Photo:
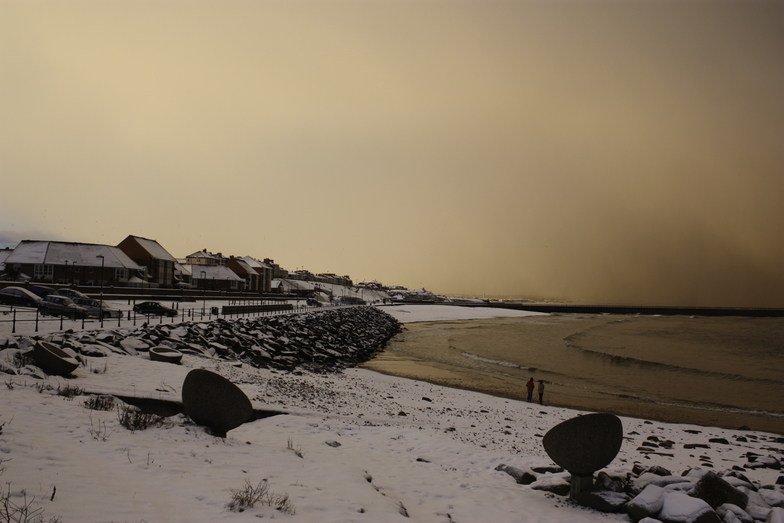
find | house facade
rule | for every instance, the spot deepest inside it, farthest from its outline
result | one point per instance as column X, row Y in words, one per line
column 158, row 263
column 74, row 263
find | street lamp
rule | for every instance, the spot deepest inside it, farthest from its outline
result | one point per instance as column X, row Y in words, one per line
column 101, row 302
column 203, row 292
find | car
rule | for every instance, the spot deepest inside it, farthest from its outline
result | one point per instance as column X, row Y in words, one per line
column 19, row 296
column 153, row 308
column 71, row 293
column 96, row 308
column 41, row 291
column 55, row 305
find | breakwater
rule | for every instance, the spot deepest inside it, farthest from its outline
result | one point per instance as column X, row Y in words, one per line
column 319, row 341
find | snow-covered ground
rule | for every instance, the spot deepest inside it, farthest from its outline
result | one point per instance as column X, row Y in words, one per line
column 355, row 446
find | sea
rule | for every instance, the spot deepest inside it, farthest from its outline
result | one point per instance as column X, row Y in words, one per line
column 725, row 371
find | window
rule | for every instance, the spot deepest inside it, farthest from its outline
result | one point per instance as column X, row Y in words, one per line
column 43, row 272
column 119, row 274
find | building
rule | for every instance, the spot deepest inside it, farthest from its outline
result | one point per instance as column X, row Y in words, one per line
column 249, row 274
column 64, row 263
column 204, row 257
column 265, row 272
column 157, row 262
column 214, row 277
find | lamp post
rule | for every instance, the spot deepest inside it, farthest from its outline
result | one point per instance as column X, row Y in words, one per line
column 203, row 292
column 101, row 302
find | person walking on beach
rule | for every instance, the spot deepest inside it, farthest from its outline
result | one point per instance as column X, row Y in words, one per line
column 530, row 387
column 541, row 392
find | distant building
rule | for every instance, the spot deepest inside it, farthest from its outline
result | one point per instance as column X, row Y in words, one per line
column 249, row 275
column 74, row 263
column 156, row 260
column 214, row 277
column 264, row 270
column 204, row 257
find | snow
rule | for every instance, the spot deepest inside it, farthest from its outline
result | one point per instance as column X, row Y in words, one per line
column 354, row 446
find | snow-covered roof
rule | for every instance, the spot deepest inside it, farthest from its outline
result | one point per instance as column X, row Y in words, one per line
column 62, row 253
column 154, row 248
column 245, row 266
column 213, row 272
column 256, row 264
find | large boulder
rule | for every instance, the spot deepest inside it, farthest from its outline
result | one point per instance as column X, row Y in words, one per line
column 585, row 444
column 211, row 400
column 680, row 508
column 647, row 503
column 716, row 492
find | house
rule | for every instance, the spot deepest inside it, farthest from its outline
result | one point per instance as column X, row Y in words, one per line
column 214, row 277
column 249, row 274
column 204, row 257
column 72, row 263
column 264, row 270
column 157, row 261
column 277, row 270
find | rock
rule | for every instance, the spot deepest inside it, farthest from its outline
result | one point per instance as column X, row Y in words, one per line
column 716, row 491
column 776, row 516
column 210, row 399
column 555, row 484
column 680, row 508
column 522, row 477
column 333, row 443
column 603, row 500
column 647, row 503
column 584, row 444
column 740, row 515
column 771, row 497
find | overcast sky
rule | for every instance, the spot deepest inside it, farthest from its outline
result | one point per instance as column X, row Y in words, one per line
column 597, row 151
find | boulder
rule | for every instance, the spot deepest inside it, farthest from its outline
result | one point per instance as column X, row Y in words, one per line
column 680, row 508
column 603, row 500
column 647, row 503
column 522, row 477
column 210, row 399
column 584, row 444
column 776, row 515
column 738, row 513
column 716, row 491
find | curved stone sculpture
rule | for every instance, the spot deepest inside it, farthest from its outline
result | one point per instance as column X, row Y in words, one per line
column 584, row 444
column 54, row 360
column 211, row 400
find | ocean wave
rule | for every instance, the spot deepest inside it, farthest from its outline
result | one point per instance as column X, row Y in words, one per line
column 615, row 359
column 496, row 362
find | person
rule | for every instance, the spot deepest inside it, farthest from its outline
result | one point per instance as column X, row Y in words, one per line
column 530, row 387
column 541, row 392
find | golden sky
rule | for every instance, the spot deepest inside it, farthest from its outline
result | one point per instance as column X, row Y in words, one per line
column 596, row 151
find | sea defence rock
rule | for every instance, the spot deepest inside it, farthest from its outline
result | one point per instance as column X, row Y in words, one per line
column 319, row 341
column 211, row 400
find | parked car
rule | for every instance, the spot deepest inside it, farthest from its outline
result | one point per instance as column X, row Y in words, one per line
column 97, row 307
column 71, row 293
column 55, row 305
column 19, row 296
column 154, row 308
column 42, row 291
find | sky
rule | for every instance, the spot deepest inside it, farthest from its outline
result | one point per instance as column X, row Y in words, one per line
column 593, row 151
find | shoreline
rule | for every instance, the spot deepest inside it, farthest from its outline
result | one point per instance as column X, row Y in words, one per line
column 675, row 414
column 442, row 343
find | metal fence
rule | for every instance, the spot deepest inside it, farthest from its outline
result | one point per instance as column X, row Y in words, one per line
column 26, row 320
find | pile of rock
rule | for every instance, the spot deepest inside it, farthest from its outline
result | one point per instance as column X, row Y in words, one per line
column 654, row 494
column 318, row 341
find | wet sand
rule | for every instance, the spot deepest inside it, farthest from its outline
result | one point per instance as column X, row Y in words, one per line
column 722, row 372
